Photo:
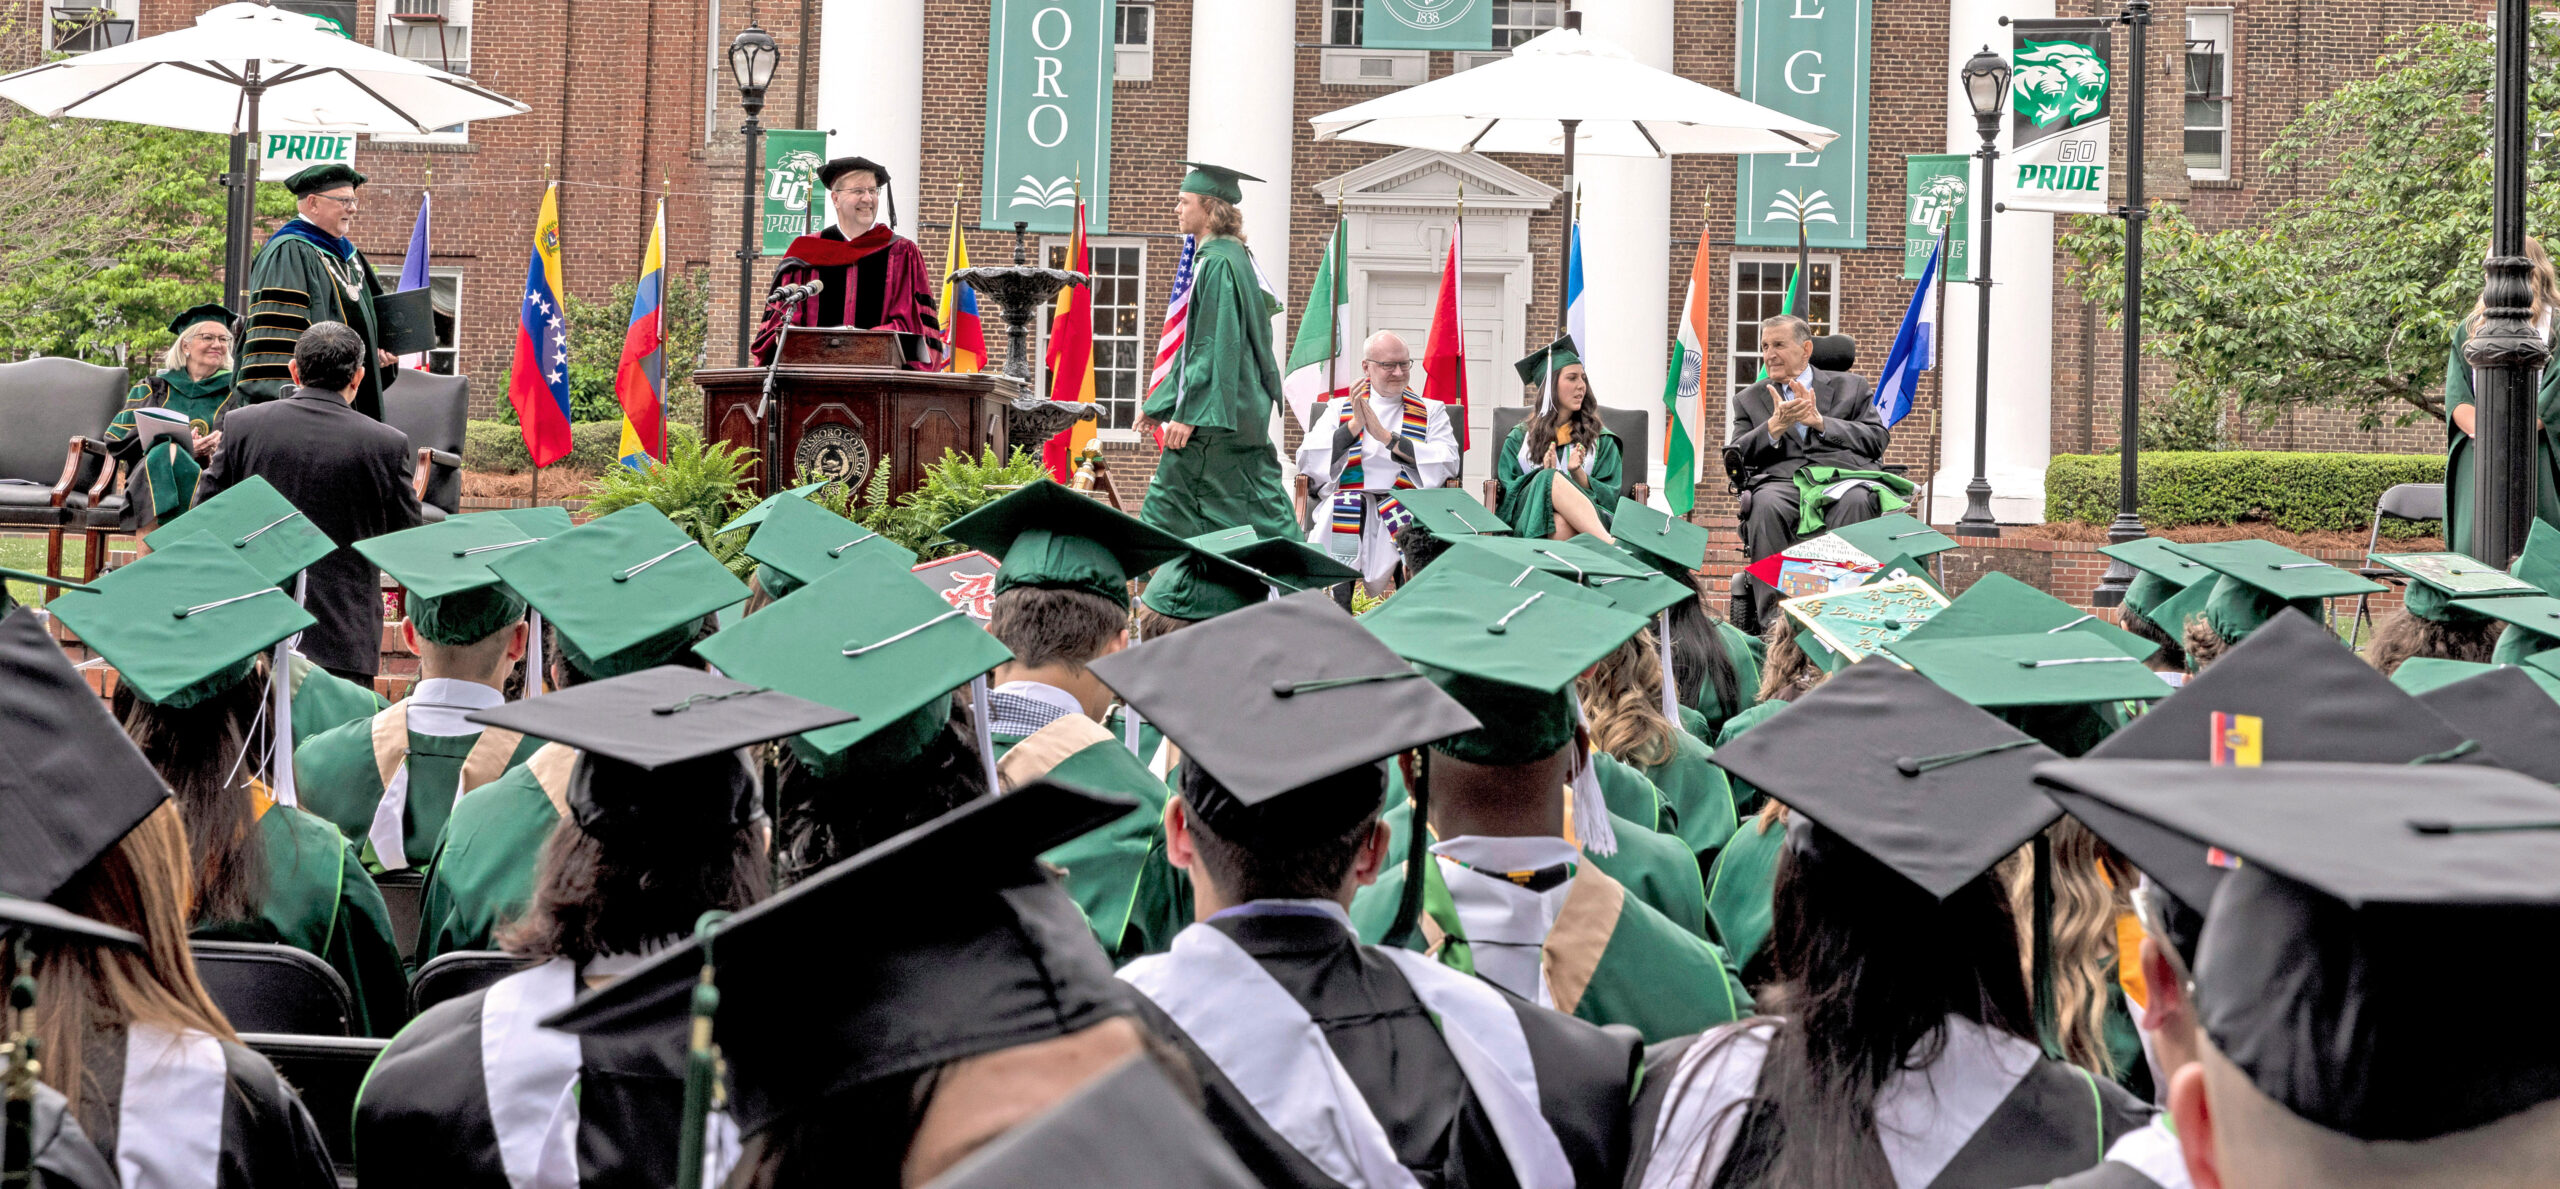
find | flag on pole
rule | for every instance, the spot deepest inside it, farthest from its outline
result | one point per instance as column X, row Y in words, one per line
column 1915, row 346
column 1071, row 359
column 413, row 268
column 966, row 335
column 1177, row 315
column 640, row 381
column 1321, row 364
column 538, row 380
column 1577, row 312
column 1680, row 390
column 1444, row 356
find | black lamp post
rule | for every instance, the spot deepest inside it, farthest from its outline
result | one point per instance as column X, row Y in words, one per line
column 2505, row 350
column 1986, row 88
column 2113, row 584
column 752, row 57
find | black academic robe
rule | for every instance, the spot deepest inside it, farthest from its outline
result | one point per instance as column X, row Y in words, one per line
column 350, row 475
column 267, row 1137
column 1386, row 1041
column 65, row 1159
column 424, row 1118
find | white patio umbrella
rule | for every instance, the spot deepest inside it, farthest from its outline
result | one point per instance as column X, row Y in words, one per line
column 246, row 66
column 1564, row 92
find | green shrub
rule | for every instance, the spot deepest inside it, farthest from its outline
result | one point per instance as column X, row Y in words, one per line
column 699, row 488
column 954, row 487
column 2300, row 493
column 497, row 447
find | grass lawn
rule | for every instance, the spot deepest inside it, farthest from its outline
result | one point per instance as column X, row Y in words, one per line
column 27, row 554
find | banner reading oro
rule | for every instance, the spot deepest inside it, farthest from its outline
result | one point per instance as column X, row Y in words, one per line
column 1048, row 114
column 2059, row 86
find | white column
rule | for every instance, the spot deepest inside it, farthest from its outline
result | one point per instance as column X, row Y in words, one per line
column 2020, row 440
column 1626, row 247
column 870, row 66
column 1243, row 113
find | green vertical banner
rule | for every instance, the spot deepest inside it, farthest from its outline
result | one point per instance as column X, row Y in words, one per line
column 1807, row 58
column 2058, row 124
column 1048, row 114
column 1937, row 196
column 793, row 207
column 1426, row 24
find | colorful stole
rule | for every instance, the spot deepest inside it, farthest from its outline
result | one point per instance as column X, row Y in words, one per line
column 1350, row 483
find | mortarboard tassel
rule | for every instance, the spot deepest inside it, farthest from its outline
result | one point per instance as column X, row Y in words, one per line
column 1662, row 648
column 1590, row 806
column 1417, row 857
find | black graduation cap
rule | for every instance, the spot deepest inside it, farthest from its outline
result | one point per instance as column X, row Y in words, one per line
column 71, row 783
column 2507, row 712
column 1915, row 776
column 1278, row 697
column 656, row 747
column 1128, row 1127
column 966, row 945
column 2359, row 894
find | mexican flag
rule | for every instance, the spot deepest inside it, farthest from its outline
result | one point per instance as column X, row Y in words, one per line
column 1681, row 387
column 1322, row 365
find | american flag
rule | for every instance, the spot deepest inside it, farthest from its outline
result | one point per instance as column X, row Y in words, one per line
column 1177, row 316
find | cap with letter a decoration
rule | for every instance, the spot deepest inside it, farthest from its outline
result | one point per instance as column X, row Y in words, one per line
column 1049, row 536
column 625, row 591
column 72, row 785
column 184, row 622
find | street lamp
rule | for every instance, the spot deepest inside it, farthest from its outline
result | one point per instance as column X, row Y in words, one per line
column 2505, row 350
column 2118, row 579
column 1986, row 89
column 752, row 57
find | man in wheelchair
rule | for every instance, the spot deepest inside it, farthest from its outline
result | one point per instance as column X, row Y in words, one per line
column 1800, row 417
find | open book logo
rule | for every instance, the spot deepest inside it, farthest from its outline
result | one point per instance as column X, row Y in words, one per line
column 1813, row 206
column 1060, row 191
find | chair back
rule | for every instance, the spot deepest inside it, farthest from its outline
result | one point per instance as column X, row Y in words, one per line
column 434, row 410
column 326, row 1072
column 2412, row 501
column 403, row 894
column 1633, row 427
column 1834, row 353
column 45, row 403
column 262, row 987
column 456, row 974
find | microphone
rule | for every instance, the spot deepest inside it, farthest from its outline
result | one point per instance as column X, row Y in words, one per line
column 813, row 287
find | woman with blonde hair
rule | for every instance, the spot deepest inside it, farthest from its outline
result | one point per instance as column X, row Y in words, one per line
column 2092, row 903
column 2462, row 415
column 192, row 388
column 1622, row 696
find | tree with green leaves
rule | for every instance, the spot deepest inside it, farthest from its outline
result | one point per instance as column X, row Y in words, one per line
column 2348, row 297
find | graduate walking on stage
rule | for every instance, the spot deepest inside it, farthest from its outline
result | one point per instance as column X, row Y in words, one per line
column 1221, row 468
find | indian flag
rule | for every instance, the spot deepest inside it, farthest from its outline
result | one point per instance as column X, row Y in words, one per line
column 1321, row 363
column 1680, row 409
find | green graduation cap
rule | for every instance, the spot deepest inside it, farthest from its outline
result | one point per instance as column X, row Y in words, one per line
column 261, row 527
column 317, row 178
column 617, row 583
column 1902, row 567
column 1999, row 605
column 2171, row 614
column 2257, row 579
column 1493, row 567
column 2444, row 586
column 2539, row 564
column 1666, row 542
column 2533, row 624
column 8, row 576
column 800, row 542
column 185, row 622
column 1565, row 559
column 755, row 515
column 1215, row 181
column 454, row 598
column 1232, row 569
column 2158, row 574
column 1450, row 512
column 2422, row 674
column 1506, row 653
column 1536, row 366
column 1648, row 596
column 1894, row 535
column 1843, row 627
column 1049, row 536
column 869, row 640
column 2033, row 669
column 211, row 311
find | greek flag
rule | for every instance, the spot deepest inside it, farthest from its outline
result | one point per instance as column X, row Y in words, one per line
column 1915, row 348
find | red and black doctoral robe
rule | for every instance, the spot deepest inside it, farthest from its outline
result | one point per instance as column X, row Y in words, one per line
column 875, row 281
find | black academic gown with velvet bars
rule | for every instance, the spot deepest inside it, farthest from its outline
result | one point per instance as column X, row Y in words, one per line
column 1386, row 1041
column 210, row 1114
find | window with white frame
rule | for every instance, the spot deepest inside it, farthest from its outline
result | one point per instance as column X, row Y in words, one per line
column 1516, row 21
column 1344, row 62
column 1342, row 22
column 2208, row 93
column 1759, row 290
column 83, row 26
column 1133, row 39
column 1122, row 354
column 436, row 32
column 444, row 294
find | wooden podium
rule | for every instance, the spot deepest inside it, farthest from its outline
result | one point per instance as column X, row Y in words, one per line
column 847, row 404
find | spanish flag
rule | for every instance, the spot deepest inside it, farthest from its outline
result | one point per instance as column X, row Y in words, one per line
column 640, row 383
column 1071, row 359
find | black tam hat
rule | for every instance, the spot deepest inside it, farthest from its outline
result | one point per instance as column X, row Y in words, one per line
column 829, row 172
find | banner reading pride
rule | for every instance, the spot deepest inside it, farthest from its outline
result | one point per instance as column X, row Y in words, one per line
column 2058, row 122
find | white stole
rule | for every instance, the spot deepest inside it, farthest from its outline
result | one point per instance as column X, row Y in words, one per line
column 169, row 1119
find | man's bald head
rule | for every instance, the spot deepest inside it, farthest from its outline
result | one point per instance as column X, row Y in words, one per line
column 1387, row 362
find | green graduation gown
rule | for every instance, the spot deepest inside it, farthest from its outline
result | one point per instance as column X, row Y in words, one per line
column 1131, row 894
column 481, row 876
column 340, row 774
column 1740, row 885
column 1527, row 497
column 1226, row 385
column 323, row 700
column 305, row 275
column 320, row 901
column 1746, row 796
column 2461, row 456
column 1705, row 714
column 162, row 483
column 1698, row 794
column 1656, row 868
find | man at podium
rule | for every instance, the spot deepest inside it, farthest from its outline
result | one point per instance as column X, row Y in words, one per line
column 873, row 278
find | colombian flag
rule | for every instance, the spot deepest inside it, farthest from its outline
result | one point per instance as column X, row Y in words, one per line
column 641, row 380
column 966, row 335
column 538, row 382
column 1071, row 359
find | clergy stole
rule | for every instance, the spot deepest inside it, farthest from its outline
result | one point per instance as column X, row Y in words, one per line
column 1262, row 1038
column 388, row 835
column 1350, row 481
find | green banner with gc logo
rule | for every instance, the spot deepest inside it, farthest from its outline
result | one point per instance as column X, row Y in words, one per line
column 794, row 206
column 1048, row 115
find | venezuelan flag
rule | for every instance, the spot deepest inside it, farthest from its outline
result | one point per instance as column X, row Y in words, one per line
column 538, row 382
column 966, row 335
column 641, row 381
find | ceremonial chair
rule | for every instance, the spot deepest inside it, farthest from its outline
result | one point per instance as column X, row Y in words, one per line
column 1831, row 353
column 327, row 1072
column 45, row 403
column 456, row 974
column 434, row 410
column 262, row 987
column 1631, row 426
column 403, row 894
column 2405, row 501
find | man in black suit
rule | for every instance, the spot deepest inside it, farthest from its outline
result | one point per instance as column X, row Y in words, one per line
column 347, row 472
column 1800, row 416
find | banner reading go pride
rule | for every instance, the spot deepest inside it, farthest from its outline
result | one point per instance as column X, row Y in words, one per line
column 2058, row 122
column 1048, row 114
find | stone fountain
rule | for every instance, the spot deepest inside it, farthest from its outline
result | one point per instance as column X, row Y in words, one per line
column 1018, row 289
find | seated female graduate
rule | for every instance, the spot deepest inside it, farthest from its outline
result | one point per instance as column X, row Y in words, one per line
column 1286, row 712
column 621, row 593
column 955, row 1016
column 2449, row 610
column 184, row 627
column 1556, row 474
column 666, row 823
column 1902, row 1046
column 138, row 1065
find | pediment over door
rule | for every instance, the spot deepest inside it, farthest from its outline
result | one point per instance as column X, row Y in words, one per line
column 1427, row 179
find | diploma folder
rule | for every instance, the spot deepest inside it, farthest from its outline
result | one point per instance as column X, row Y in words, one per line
column 406, row 321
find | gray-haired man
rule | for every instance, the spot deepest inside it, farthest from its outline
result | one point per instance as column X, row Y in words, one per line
column 1800, row 417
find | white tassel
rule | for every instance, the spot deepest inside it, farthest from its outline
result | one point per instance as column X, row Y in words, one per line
column 280, row 687
column 1129, row 722
column 533, row 670
column 1662, row 647
column 978, row 713
column 1590, row 808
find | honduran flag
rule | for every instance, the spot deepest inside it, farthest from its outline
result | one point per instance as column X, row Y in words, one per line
column 538, row 381
column 1915, row 346
column 966, row 335
column 640, row 382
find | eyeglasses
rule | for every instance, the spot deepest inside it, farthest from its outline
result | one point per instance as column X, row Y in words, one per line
column 216, row 339
column 858, row 191
column 1400, row 365
column 348, row 202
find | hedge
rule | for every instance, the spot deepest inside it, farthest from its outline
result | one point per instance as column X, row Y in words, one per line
column 497, row 447
column 2296, row 492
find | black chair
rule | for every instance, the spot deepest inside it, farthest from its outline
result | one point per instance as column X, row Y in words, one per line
column 326, row 1071
column 1634, row 428
column 45, row 405
column 1834, row 353
column 434, row 410
column 404, row 894
column 454, row 975
column 2405, row 501
column 274, row 988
